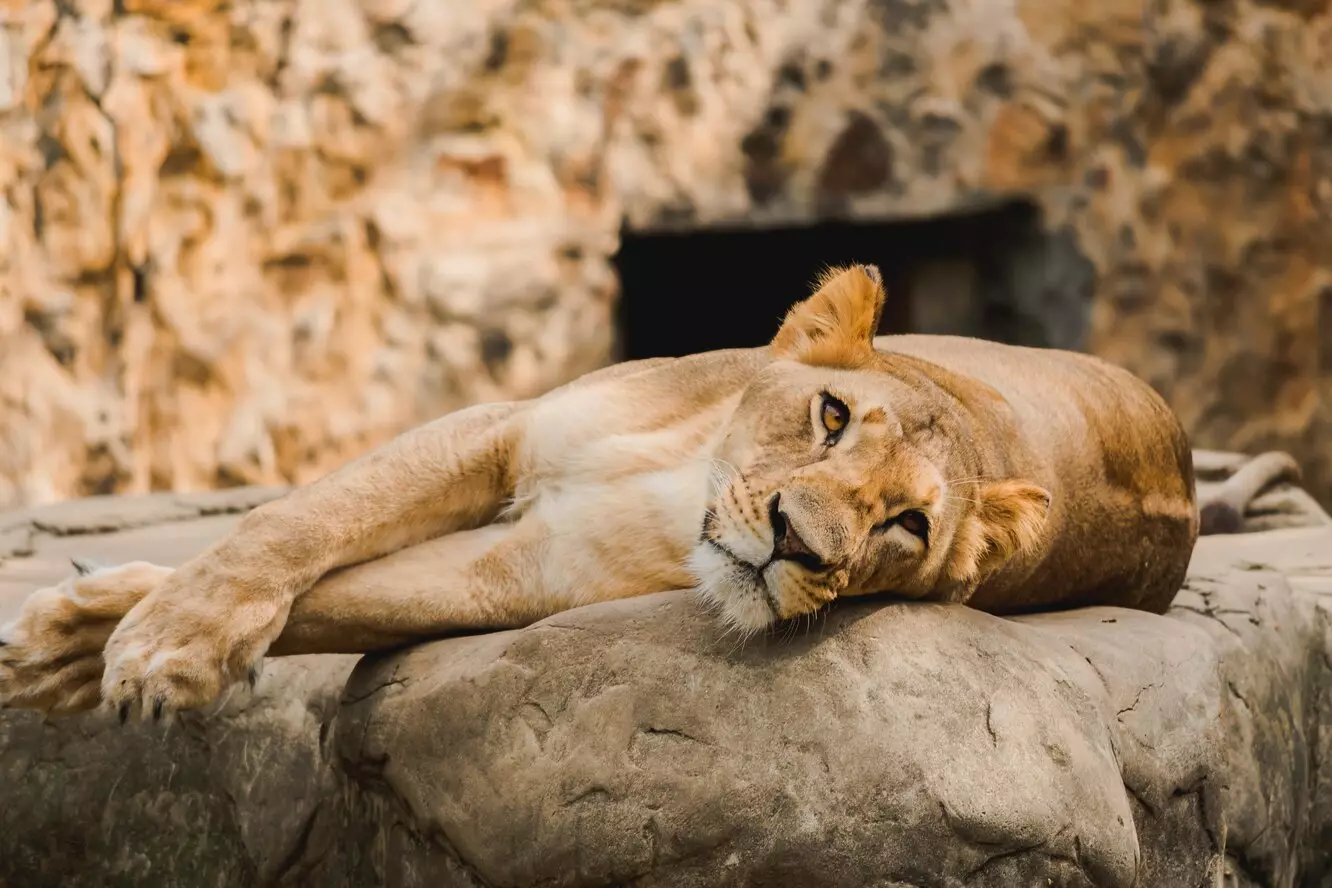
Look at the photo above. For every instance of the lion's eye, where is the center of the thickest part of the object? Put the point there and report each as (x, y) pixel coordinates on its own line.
(914, 522)
(835, 415)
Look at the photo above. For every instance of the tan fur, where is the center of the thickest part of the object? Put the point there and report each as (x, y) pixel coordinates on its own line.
(1047, 479)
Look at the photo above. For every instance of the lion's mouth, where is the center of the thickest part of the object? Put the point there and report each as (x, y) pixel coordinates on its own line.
(752, 572)
(739, 562)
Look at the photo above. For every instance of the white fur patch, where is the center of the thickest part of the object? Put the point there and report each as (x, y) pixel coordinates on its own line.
(729, 590)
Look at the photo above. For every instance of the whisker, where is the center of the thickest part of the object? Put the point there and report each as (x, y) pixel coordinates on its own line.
(795, 627)
(722, 473)
(967, 480)
(742, 636)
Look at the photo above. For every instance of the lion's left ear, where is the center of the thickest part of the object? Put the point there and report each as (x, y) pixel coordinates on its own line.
(835, 327)
(1009, 520)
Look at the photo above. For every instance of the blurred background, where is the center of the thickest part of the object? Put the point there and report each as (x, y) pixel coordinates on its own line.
(242, 242)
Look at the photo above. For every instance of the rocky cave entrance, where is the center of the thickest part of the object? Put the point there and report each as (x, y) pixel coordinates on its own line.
(996, 273)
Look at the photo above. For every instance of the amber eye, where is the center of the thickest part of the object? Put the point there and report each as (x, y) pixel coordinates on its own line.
(915, 523)
(835, 415)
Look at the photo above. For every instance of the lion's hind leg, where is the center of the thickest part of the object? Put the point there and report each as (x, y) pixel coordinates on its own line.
(51, 652)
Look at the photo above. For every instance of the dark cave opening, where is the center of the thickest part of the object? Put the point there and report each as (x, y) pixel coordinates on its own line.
(995, 273)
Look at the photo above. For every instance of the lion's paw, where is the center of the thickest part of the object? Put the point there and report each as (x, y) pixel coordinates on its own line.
(51, 653)
(183, 646)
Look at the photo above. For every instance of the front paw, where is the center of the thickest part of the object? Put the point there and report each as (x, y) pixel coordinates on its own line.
(187, 643)
(51, 653)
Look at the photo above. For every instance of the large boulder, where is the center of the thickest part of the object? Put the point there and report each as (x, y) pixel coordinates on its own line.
(916, 744)
(885, 744)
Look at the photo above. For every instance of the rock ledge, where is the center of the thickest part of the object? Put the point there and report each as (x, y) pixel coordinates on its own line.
(627, 743)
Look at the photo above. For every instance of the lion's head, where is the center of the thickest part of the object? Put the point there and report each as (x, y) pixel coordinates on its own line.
(846, 471)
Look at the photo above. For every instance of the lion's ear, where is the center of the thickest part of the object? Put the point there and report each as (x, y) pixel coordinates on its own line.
(835, 327)
(1008, 521)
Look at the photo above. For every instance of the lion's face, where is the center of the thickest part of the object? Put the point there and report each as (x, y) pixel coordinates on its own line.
(837, 478)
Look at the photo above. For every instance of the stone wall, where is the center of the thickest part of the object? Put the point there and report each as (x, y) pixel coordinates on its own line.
(243, 241)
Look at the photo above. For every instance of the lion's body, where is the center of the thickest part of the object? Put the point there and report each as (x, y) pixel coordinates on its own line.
(1123, 518)
(500, 515)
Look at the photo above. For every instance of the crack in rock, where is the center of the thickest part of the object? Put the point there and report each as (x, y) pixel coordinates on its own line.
(1137, 698)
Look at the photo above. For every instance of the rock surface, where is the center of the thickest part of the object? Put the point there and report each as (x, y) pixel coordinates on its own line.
(890, 744)
(240, 242)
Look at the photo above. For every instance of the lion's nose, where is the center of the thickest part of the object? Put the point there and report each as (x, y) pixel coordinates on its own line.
(786, 543)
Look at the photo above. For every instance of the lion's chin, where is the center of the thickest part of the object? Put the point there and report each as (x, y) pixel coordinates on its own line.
(734, 590)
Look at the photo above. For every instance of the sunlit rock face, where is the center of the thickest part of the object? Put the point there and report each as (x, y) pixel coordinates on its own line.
(240, 243)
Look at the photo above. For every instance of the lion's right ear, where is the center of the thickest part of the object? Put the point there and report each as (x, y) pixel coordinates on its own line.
(835, 327)
(1009, 520)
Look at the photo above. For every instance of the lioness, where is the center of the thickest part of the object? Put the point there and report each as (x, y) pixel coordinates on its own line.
(774, 480)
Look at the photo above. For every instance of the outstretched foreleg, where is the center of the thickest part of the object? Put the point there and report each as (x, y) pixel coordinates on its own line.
(207, 624)
(51, 654)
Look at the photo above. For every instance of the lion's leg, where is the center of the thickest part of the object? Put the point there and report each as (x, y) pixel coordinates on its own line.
(51, 655)
(479, 580)
(207, 624)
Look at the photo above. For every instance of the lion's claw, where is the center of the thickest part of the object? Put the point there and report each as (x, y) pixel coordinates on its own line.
(167, 657)
(85, 566)
(157, 682)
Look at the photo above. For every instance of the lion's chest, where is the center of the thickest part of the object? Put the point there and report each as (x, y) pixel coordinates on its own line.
(620, 514)
(629, 483)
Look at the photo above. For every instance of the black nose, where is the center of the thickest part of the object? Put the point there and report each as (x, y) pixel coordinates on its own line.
(786, 543)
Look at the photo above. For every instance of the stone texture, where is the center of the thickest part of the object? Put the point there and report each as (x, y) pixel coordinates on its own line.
(241, 243)
(917, 745)
(627, 743)
(244, 241)
(237, 802)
